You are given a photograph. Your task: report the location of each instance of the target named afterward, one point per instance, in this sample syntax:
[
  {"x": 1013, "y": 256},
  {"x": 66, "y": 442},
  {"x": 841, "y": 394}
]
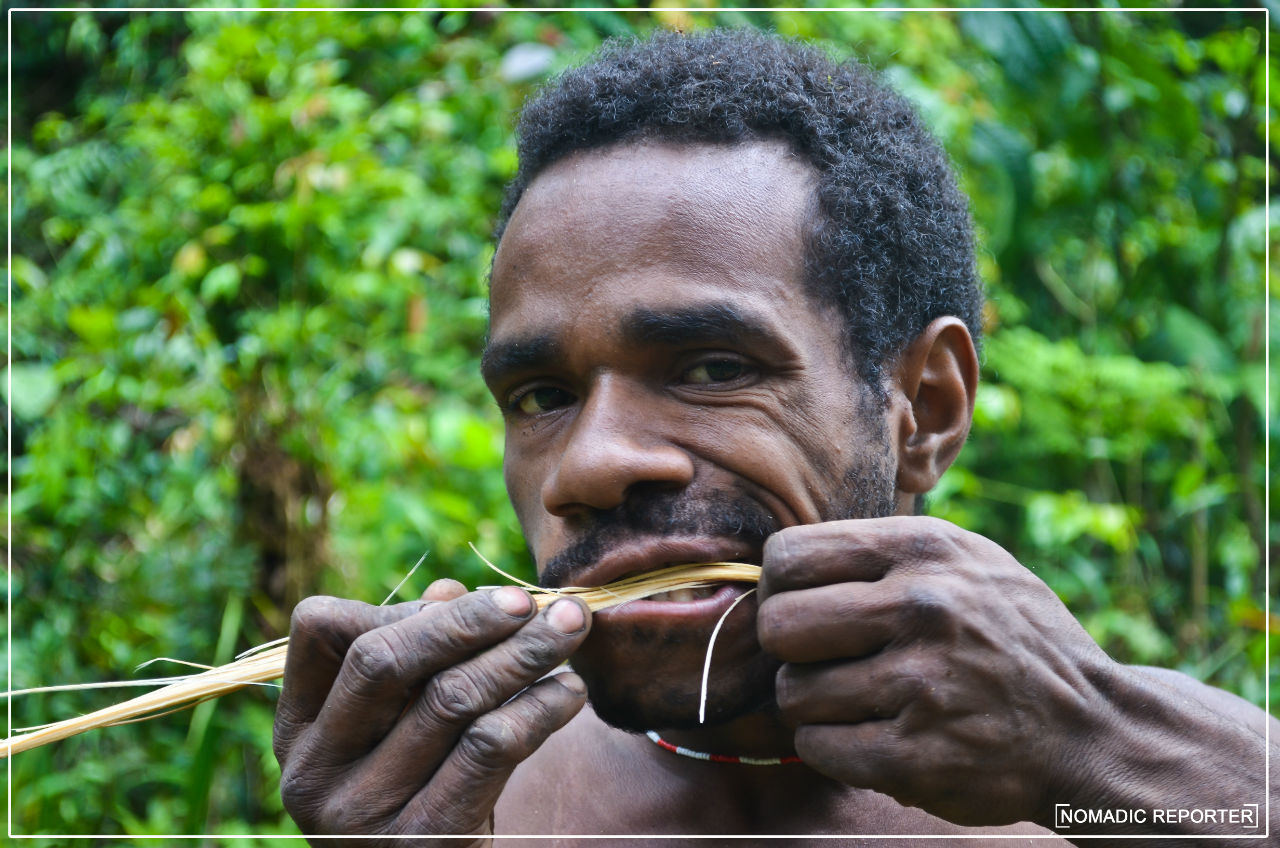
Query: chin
[{"x": 640, "y": 699}]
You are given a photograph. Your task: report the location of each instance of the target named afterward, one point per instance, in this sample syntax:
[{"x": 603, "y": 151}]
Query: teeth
[{"x": 683, "y": 595}]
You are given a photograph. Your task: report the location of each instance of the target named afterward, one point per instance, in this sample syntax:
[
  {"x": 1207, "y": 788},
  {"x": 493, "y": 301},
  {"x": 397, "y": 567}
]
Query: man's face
[{"x": 673, "y": 396}]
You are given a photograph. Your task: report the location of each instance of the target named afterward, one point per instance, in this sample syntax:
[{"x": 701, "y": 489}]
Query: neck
[
  {"x": 783, "y": 788},
  {"x": 755, "y": 735}
]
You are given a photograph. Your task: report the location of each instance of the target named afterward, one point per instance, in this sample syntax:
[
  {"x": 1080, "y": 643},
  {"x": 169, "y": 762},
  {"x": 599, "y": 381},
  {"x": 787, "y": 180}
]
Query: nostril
[
  {"x": 647, "y": 488},
  {"x": 606, "y": 474},
  {"x": 571, "y": 510}
]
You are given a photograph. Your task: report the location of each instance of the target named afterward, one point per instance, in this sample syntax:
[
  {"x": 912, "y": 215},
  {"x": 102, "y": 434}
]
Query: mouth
[
  {"x": 634, "y": 560},
  {"x": 643, "y": 561},
  {"x": 683, "y": 595},
  {"x": 682, "y": 608}
]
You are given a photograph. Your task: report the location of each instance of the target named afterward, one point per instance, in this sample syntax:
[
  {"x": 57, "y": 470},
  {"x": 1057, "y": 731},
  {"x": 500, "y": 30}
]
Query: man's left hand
[{"x": 925, "y": 662}]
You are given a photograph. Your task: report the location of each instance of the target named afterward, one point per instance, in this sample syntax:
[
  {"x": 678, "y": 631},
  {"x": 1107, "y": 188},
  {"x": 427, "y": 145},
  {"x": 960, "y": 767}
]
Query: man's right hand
[{"x": 409, "y": 719}]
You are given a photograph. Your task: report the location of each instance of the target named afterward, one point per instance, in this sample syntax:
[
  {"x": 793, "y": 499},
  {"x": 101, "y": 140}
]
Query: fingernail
[
  {"x": 512, "y": 601},
  {"x": 572, "y": 682},
  {"x": 444, "y": 589},
  {"x": 566, "y": 616}
]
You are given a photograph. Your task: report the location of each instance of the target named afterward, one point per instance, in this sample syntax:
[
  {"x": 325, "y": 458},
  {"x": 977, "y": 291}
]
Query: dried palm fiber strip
[{"x": 265, "y": 663}]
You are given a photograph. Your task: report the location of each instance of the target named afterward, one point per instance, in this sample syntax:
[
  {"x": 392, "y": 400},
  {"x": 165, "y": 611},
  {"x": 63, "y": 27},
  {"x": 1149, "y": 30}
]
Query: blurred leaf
[
  {"x": 222, "y": 283},
  {"x": 30, "y": 389}
]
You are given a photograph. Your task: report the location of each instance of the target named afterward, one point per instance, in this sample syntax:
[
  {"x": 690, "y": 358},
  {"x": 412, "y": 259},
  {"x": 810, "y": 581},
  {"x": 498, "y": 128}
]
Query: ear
[{"x": 936, "y": 378}]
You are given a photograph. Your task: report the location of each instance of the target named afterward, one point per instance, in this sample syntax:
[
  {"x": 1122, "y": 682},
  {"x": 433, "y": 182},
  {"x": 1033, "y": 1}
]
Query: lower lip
[{"x": 714, "y": 606}]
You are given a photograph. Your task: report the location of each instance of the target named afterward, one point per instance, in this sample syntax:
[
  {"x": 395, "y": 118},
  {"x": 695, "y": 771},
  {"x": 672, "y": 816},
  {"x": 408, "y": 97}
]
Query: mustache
[{"x": 713, "y": 514}]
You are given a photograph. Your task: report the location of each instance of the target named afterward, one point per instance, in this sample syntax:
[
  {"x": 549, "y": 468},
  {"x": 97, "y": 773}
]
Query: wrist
[{"x": 1153, "y": 759}]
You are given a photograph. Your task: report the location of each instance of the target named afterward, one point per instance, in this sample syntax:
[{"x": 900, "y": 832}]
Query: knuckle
[
  {"x": 342, "y": 815},
  {"x": 469, "y": 623},
  {"x": 491, "y": 745},
  {"x": 451, "y": 815},
  {"x": 318, "y": 804},
  {"x": 292, "y": 791},
  {"x": 375, "y": 657},
  {"x": 938, "y": 527},
  {"x": 926, "y": 609},
  {"x": 935, "y": 541},
  {"x": 538, "y": 655},
  {"x": 917, "y": 680},
  {"x": 455, "y": 695},
  {"x": 301, "y": 797},
  {"x": 290, "y": 723},
  {"x": 539, "y": 713},
  {"x": 453, "y": 639},
  {"x": 924, "y": 548},
  {"x": 472, "y": 613},
  {"x": 313, "y": 614}
]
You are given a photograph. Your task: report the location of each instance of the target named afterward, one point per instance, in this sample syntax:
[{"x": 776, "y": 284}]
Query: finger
[
  {"x": 867, "y": 755},
  {"x": 845, "y": 620},
  {"x": 865, "y": 550},
  {"x": 458, "y": 696},
  {"x": 936, "y": 772},
  {"x": 818, "y": 554},
  {"x": 444, "y": 589},
  {"x": 464, "y": 791},
  {"x": 320, "y": 632},
  {"x": 848, "y": 692},
  {"x": 385, "y": 668},
  {"x": 855, "y": 550}
]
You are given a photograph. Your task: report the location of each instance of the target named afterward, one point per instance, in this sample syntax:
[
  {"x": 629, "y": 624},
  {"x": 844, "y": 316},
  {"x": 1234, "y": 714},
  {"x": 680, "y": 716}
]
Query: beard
[
  {"x": 665, "y": 692},
  {"x": 606, "y": 665},
  {"x": 662, "y": 513}
]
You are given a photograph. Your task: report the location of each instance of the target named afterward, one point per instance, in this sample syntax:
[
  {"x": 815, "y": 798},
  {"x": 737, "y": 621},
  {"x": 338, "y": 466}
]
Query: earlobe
[{"x": 937, "y": 378}]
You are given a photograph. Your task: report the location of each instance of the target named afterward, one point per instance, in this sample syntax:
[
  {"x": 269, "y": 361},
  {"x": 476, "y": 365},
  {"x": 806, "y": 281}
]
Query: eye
[
  {"x": 540, "y": 399},
  {"x": 716, "y": 371}
]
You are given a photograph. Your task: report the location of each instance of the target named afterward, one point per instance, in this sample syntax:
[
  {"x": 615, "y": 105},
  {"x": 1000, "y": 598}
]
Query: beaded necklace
[{"x": 719, "y": 758}]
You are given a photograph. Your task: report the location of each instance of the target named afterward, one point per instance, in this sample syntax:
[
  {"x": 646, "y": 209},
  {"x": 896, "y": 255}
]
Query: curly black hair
[{"x": 892, "y": 246}]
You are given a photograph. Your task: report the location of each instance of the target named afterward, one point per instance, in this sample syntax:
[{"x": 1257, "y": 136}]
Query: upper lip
[{"x": 643, "y": 555}]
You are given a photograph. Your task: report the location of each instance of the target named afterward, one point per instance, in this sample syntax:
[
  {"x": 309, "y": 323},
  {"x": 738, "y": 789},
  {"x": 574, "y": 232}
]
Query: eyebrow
[
  {"x": 711, "y": 322},
  {"x": 519, "y": 354}
]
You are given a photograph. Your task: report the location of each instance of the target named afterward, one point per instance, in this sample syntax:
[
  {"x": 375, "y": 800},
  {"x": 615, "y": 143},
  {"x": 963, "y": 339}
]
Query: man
[{"x": 734, "y": 315}]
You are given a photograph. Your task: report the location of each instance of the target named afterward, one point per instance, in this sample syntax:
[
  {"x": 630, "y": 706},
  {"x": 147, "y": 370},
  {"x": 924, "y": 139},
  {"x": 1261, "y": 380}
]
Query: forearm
[{"x": 1167, "y": 757}]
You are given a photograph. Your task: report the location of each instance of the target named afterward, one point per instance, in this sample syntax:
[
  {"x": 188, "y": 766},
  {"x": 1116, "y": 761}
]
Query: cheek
[
  {"x": 834, "y": 433},
  {"x": 525, "y": 473},
  {"x": 772, "y": 463},
  {"x": 523, "y": 479},
  {"x": 795, "y": 451}
]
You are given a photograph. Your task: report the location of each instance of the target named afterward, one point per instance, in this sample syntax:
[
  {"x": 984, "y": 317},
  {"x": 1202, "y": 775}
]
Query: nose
[{"x": 615, "y": 445}]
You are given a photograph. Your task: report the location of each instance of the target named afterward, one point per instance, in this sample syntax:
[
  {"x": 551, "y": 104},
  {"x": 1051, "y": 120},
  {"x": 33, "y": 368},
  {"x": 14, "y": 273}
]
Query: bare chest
[{"x": 597, "y": 791}]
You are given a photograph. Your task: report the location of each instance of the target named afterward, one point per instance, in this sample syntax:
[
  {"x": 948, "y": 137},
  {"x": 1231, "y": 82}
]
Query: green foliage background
[{"x": 249, "y": 258}]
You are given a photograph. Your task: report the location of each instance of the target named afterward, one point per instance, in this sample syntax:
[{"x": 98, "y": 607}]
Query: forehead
[{"x": 654, "y": 225}]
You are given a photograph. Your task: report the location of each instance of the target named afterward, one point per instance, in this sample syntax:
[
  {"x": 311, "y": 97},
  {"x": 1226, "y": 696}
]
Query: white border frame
[{"x": 1266, "y": 11}]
